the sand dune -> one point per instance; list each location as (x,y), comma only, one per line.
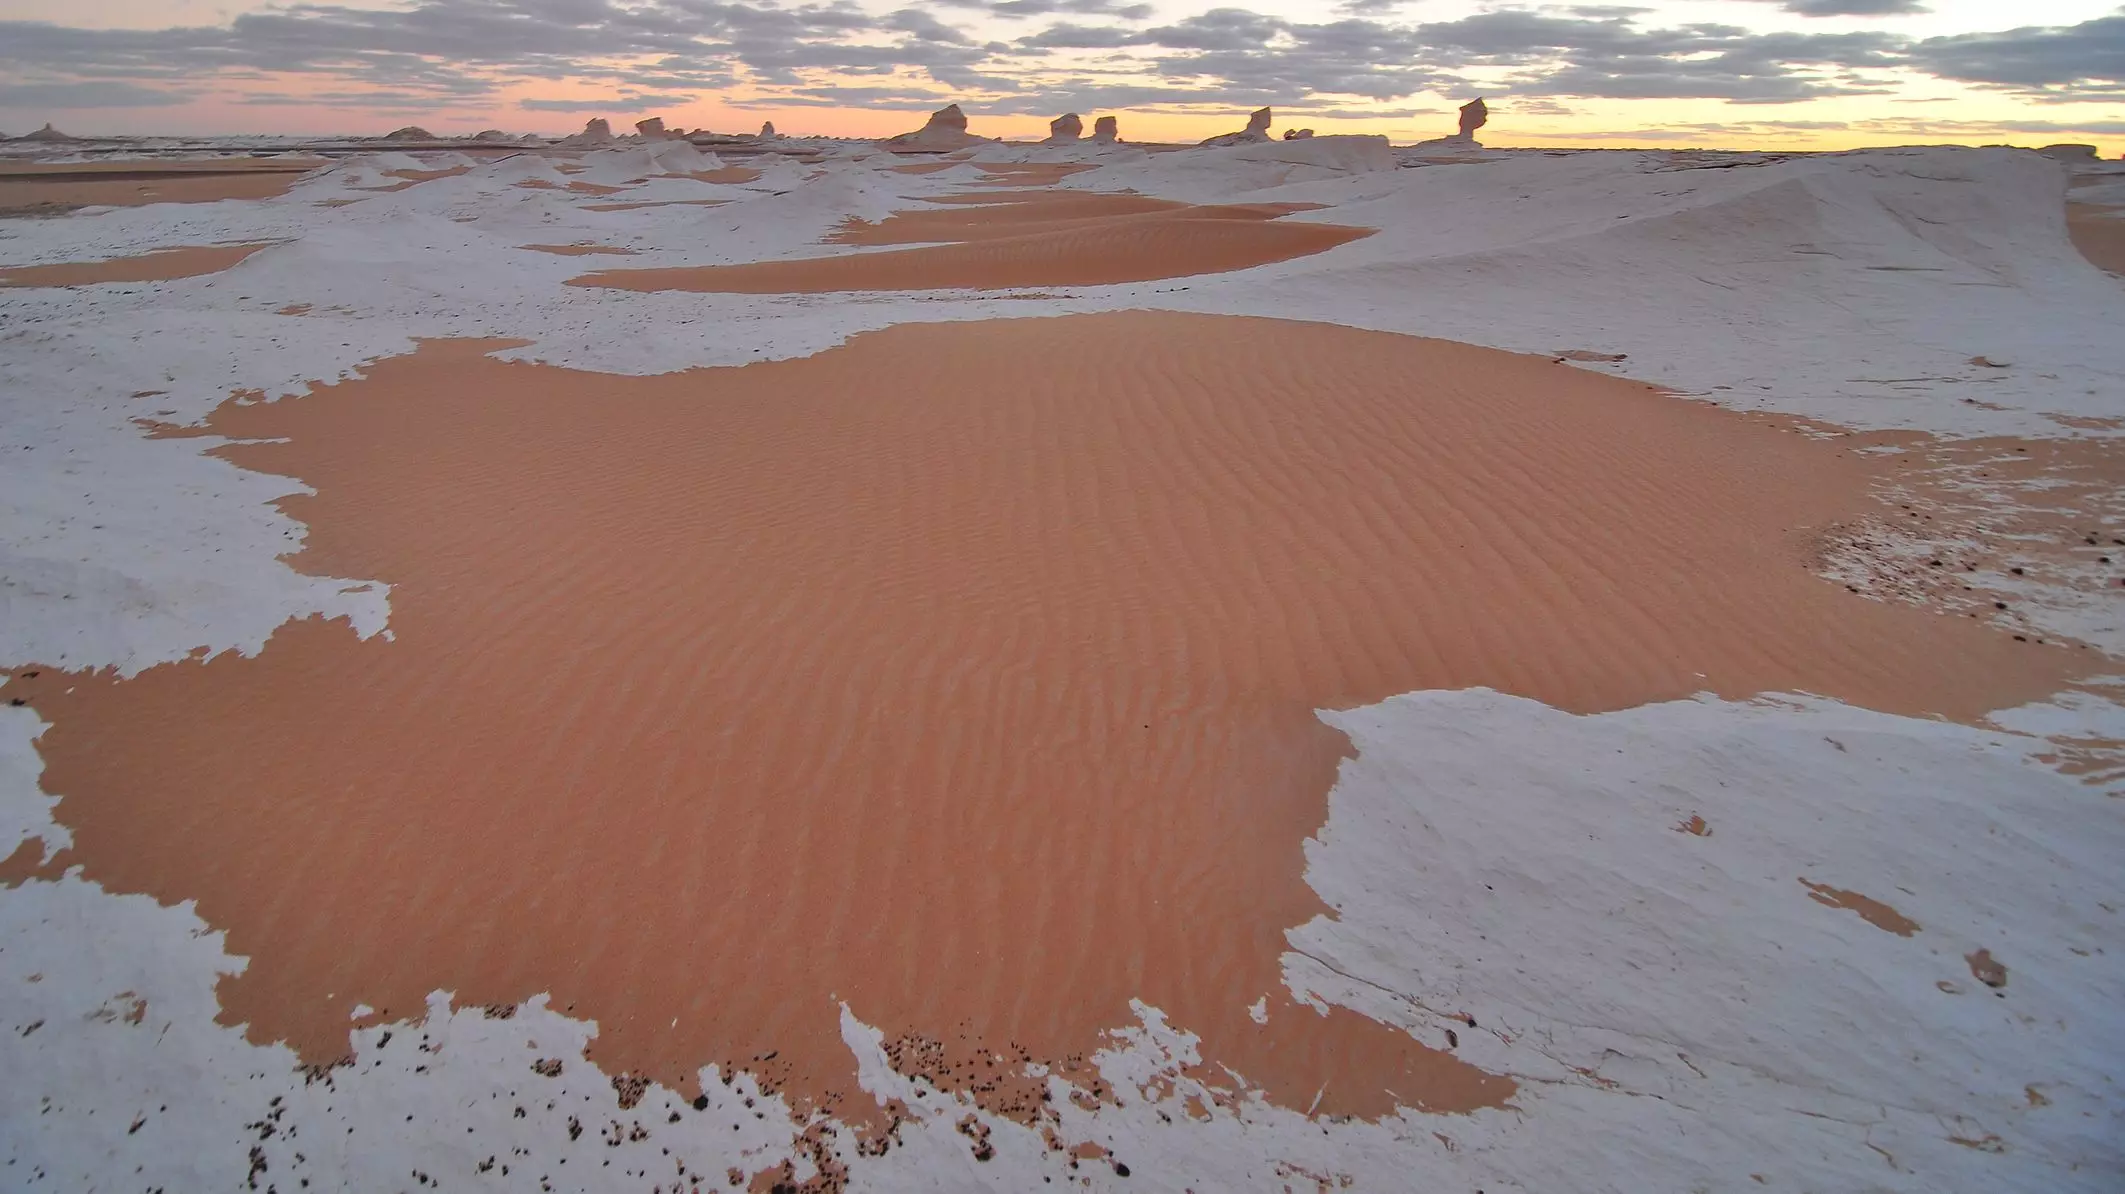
(716,698)
(162,265)
(1090,252)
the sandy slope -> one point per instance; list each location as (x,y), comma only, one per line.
(916,677)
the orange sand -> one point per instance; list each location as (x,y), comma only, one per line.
(1030,212)
(1873,911)
(161,265)
(40,187)
(1121,238)
(964,673)
(2099,233)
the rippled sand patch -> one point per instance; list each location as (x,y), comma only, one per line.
(965,674)
(162,265)
(1121,239)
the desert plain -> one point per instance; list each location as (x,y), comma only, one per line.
(806,664)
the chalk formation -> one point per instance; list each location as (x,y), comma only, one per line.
(1474,115)
(1065,129)
(946,130)
(1257,130)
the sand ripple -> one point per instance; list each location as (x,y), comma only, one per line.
(984,705)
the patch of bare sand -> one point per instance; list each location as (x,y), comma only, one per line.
(162,265)
(1015,247)
(580,250)
(1055,212)
(965,673)
(725,174)
(1873,911)
(30,188)
(2099,233)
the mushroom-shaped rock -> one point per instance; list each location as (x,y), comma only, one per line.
(1257,130)
(1474,115)
(945,130)
(1106,130)
(651,129)
(1065,129)
(411,132)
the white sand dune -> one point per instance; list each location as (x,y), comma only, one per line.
(908,693)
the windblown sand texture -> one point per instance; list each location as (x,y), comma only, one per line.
(162,265)
(1029,239)
(716,699)
(36,186)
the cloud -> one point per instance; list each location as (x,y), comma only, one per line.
(1091,54)
(1022,9)
(1852,8)
(2084,62)
(101,93)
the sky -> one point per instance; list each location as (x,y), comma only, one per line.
(1771,74)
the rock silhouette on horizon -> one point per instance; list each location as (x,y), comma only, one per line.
(1257,130)
(1065,129)
(1106,130)
(1474,115)
(945,130)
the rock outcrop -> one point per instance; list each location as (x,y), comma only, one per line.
(595,132)
(47,133)
(2070,153)
(411,132)
(492,135)
(652,129)
(1474,115)
(1065,129)
(1297,134)
(767,130)
(945,130)
(1358,154)
(1257,130)
(1106,131)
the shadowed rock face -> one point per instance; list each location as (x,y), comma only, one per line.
(946,129)
(411,132)
(652,128)
(767,128)
(1106,129)
(595,132)
(1257,130)
(1065,128)
(1474,115)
